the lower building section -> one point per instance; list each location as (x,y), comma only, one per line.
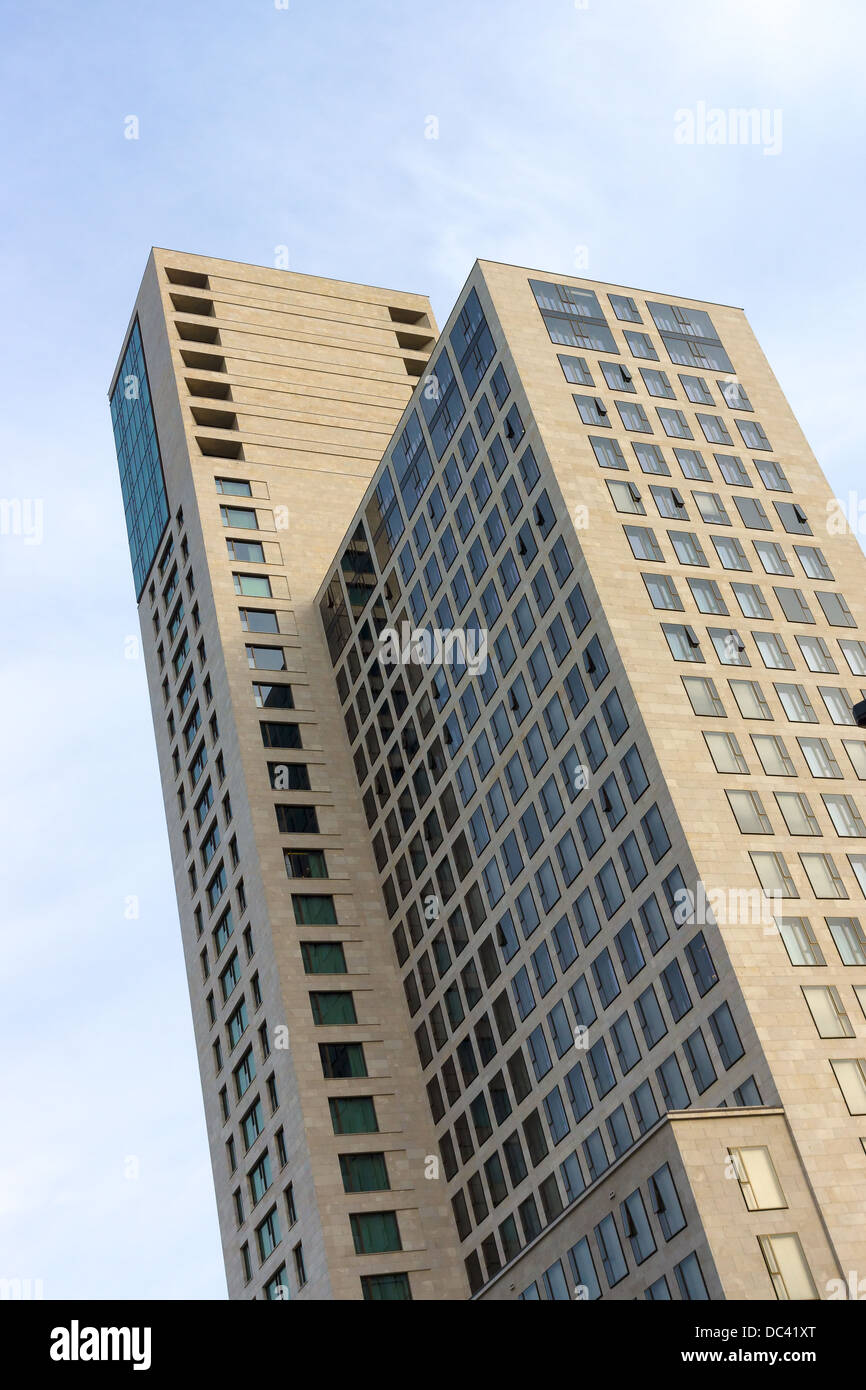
(712,1204)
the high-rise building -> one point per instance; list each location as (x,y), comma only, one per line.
(518,834)
(251,408)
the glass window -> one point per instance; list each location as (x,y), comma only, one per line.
(573,316)
(812,560)
(773,874)
(692,464)
(800,941)
(752,514)
(688,548)
(665,1202)
(828,1012)
(641,345)
(690,1279)
(650,458)
(625,308)
(733,470)
(643,543)
(787,1267)
(635,1224)
(608,453)
(583,1271)
(592,410)
(139,461)
(375,1232)
(575,370)
(617,376)
(633,416)
(674,422)
(753,435)
(657,382)
(610,1250)
(662,591)
(774,756)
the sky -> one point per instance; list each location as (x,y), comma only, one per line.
(377,141)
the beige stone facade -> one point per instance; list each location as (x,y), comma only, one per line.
(304,378)
(548,1041)
(747,1037)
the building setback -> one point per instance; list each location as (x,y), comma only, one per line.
(538,971)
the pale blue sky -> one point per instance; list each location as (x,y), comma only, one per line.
(305,127)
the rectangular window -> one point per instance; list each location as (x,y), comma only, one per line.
(750,699)
(386,1288)
(592,411)
(730,552)
(733,470)
(657,382)
(608,453)
(610,1250)
(643,543)
(714,429)
(625,308)
(849,938)
(773,873)
(314,909)
(375,1233)
(641,345)
(353,1115)
(787,1267)
(689,336)
(828,1011)
(575,370)
(688,548)
(364,1172)
(239,518)
(692,464)
(266,658)
(636,1225)
(674,422)
(277,1287)
(258,620)
(617,376)
(662,591)
(633,417)
(696,389)
(583,1271)
(800,941)
(573,317)
(253,585)
(682,641)
(268,1234)
(665,1202)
